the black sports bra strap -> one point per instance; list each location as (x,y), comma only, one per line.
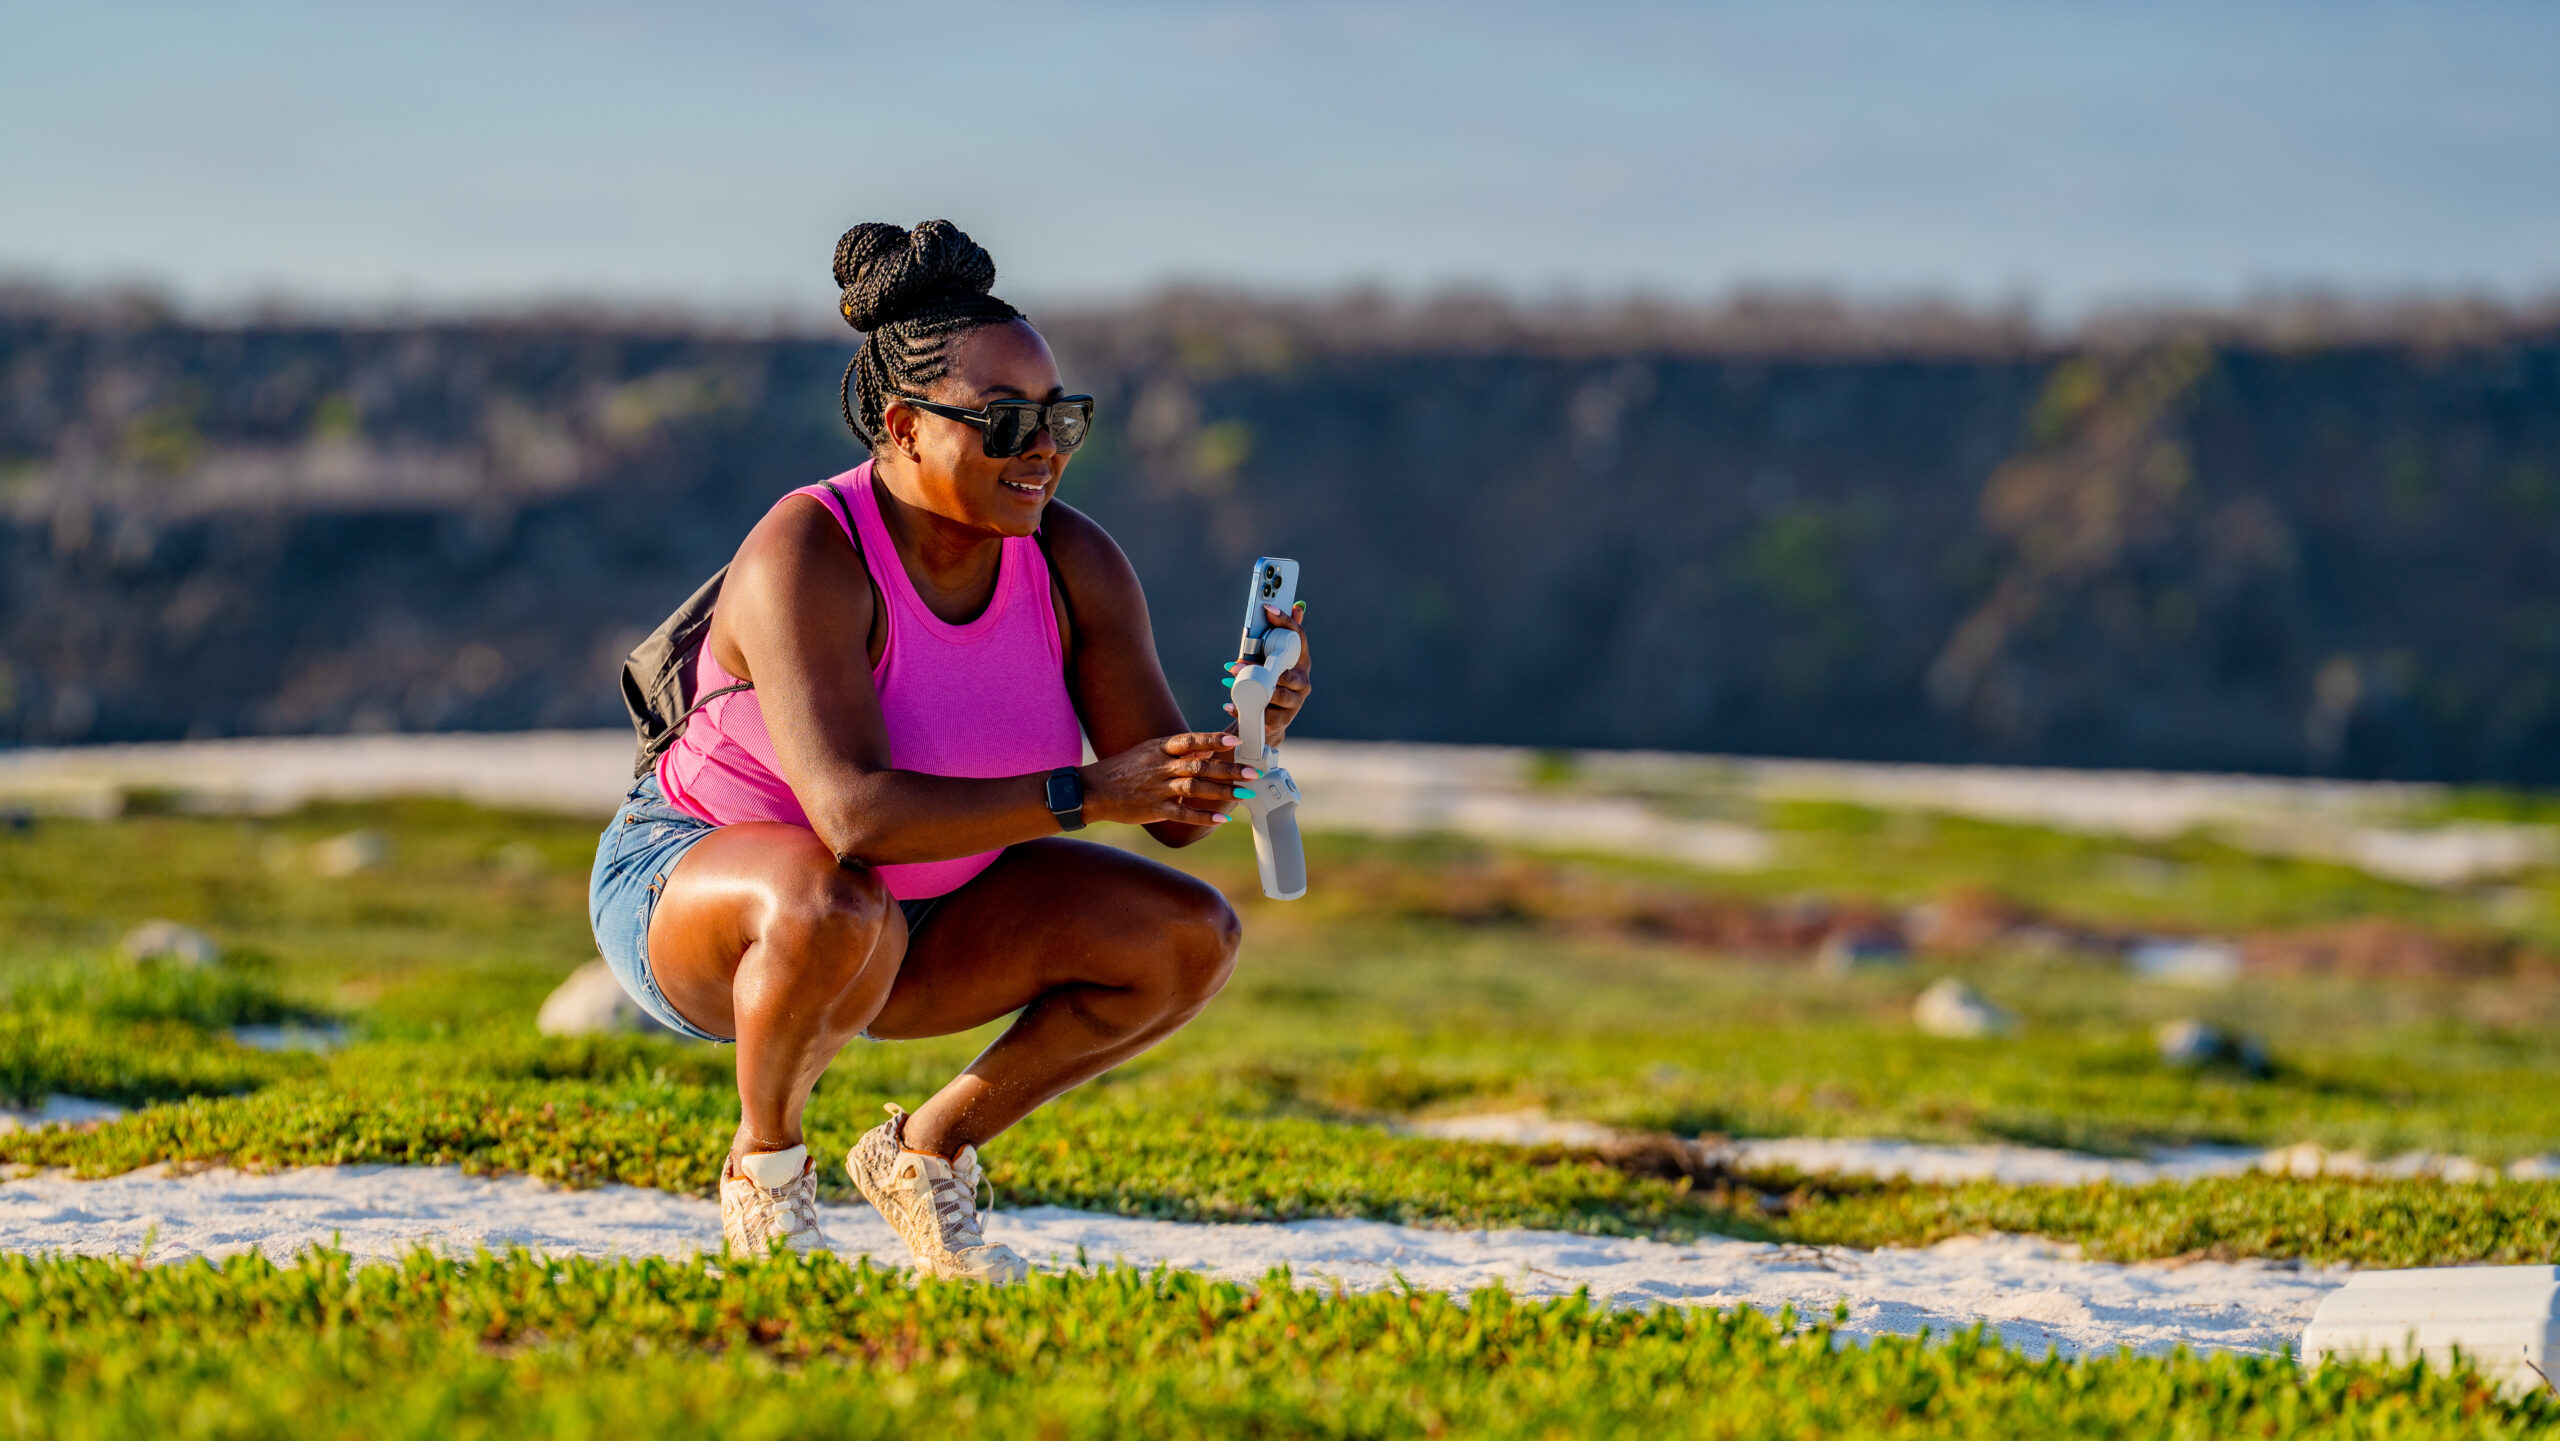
(844,512)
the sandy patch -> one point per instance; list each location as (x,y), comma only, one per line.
(1948,1164)
(2035,1294)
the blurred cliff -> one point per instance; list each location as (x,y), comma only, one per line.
(2307,540)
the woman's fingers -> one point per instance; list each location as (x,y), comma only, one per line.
(1191,742)
(1294,618)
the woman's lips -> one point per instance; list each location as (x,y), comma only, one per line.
(1022,488)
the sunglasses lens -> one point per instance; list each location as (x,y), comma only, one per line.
(1068,421)
(1010,426)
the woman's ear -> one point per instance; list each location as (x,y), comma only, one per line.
(898,429)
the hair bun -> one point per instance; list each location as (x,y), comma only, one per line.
(889,274)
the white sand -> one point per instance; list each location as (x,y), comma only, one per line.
(2035,1293)
(1943,1164)
(57,1111)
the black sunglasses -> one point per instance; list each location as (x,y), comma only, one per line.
(1009,425)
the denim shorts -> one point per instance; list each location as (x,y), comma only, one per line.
(634,857)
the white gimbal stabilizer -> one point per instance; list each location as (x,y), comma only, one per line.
(1267,652)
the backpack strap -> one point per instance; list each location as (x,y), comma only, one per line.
(1064,599)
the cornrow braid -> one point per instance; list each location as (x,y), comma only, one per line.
(911,292)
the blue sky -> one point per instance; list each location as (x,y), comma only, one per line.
(462,153)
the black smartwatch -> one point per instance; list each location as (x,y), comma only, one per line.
(1066,798)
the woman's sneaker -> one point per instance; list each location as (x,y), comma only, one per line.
(753,1216)
(932,1205)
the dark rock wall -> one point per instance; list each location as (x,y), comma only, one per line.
(2332,558)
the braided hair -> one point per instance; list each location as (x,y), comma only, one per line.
(911,293)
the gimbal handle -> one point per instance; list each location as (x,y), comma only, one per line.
(1273,807)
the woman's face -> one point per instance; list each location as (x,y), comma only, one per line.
(947,459)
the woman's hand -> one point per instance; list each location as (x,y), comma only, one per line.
(1190,778)
(1291,692)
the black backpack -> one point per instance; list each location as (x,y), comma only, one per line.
(657,677)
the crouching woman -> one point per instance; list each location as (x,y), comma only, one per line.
(859,831)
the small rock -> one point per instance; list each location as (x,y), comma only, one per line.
(1844,952)
(342,856)
(592,1003)
(2185,962)
(170,941)
(1951,1008)
(2191,1043)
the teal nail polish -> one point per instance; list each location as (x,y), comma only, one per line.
(1229,681)
(1242,794)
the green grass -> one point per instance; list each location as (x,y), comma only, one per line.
(518,1346)
(1349,1009)
(1426,976)
(1163,1145)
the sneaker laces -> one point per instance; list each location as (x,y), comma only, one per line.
(792,1206)
(966,1171)
(955,1193)
(955,1203)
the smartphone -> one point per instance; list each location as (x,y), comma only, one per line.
(1274,582)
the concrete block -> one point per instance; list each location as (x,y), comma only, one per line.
(2504,1319)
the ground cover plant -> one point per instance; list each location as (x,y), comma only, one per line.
(517,1345)
(1349,1012)
(1399,990)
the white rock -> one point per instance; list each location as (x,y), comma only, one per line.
(2185,962)
(592,1003)
(170,941)
(1951,1008)
(341,856)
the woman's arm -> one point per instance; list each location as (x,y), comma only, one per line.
(1113,671)
(796,616)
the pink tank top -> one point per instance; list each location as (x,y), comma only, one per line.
(985,698)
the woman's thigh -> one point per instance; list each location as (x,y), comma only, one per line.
(1052,913)
(742,884)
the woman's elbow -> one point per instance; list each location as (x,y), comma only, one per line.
(854,834)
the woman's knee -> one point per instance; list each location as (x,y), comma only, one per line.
(1202,935)
(827,927)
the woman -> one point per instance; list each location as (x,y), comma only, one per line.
(858,833)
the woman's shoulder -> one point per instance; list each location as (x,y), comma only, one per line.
(1094,581)
(800,541)
(1080,548)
